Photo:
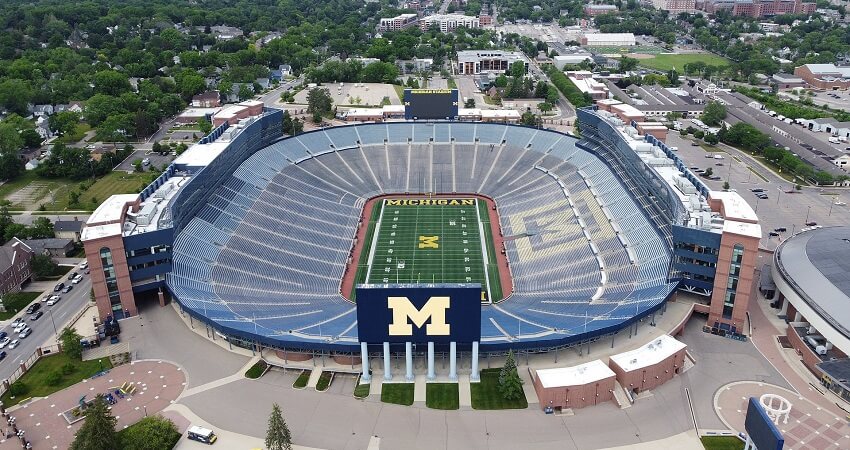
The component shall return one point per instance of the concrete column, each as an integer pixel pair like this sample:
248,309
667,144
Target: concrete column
453,360
388,375
408,359
797,316
431,374
474,375
364,362
784,311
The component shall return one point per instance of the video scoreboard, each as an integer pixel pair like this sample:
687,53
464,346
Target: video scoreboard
431,104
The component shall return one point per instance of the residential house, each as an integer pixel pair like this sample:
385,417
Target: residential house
209,99
282,71
53,247
264,83
68,229
15,265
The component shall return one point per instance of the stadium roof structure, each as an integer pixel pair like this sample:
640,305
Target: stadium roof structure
262,259
816,263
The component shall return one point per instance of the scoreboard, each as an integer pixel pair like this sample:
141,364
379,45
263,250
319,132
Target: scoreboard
419,313
431,104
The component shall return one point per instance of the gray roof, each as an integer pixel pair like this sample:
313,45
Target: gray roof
68,225
39,245
816,264
7,253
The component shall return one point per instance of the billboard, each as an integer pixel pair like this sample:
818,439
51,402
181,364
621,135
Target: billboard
431,104
439,313
760,429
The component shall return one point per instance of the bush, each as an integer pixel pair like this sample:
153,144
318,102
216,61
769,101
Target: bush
257,370
68,369
18,388
573,94
54,377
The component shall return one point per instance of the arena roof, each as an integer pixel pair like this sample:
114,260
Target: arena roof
817,262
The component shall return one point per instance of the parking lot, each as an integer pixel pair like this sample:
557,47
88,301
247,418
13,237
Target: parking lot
156,160
783,207
369,94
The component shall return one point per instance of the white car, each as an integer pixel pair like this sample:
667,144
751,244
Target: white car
5,342
840,204
25,332
77,280
14,344
84,265
19,326
54,299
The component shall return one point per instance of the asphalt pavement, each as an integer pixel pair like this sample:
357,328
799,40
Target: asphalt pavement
43,331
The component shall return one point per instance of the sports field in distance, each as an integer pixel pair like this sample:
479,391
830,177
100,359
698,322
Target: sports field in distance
431,240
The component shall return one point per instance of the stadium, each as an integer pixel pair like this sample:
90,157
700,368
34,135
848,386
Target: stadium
265,258
266,239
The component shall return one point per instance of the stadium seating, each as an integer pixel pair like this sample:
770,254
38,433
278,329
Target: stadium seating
267,252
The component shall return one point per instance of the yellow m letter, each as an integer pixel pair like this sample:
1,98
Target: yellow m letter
434,309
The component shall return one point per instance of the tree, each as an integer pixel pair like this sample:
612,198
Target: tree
544,107
711,139
31,138
291,126
530,119
709,172
41,228
98,429
277,434
63,122
42,266
245,92
510,384
10,139
111,82
501,81
319,101
204,125
628,64
517,69
151,433
725,185
713,114
469,103
71,343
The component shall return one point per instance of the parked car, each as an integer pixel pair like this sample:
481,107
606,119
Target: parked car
715,178
53,300
811,223
3,334
84,265
72,275
33,307
773,234
14,343
37,315
840,204
67,289
19,326
25,332
2,356
58,287
77,280
780,229
718,164
4,342
757,190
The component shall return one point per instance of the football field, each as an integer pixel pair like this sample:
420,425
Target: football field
431,240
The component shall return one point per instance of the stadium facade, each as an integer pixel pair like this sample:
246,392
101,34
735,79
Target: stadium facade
251,232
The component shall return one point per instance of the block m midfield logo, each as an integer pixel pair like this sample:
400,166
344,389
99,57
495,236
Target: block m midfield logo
404,312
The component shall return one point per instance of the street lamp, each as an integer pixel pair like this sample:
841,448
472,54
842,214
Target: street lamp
779,188
55,331
808,208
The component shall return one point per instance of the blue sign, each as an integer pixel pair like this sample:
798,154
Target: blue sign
761,430
419,313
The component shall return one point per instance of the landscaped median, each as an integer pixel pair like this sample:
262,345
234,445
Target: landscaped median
362,390
301,381
257,370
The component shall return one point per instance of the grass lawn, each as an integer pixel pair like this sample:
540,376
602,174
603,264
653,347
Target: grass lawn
17,301
124,434
442,396
362,390
485,394
399,90
59,272
397,393
450,83
80,131
665,62
257,370
36,379
324,381
301,381
116,182
721,443
36,192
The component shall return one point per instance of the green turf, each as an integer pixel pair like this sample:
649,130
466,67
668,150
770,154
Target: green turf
362,390
257,370
721,443
302,379
429,244
36,378
668,61
442,396
17,301
324,381
485,394
397,393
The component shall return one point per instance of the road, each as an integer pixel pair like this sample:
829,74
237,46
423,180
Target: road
43,333
792,136
272,97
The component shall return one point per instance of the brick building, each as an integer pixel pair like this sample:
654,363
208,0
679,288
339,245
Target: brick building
15,265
